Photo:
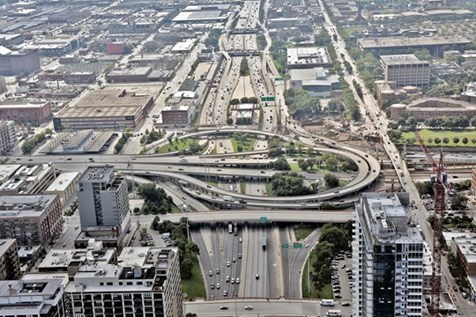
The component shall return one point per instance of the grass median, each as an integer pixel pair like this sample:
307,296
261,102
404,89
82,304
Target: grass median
194,287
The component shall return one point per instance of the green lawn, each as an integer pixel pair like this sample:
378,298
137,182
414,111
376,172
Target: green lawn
325,292
175,209
213,182
295,167
242,187
269,189
427,134
306,292
247,145
303,231
176,146
194,287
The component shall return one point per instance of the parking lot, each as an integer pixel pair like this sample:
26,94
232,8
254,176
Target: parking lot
342,277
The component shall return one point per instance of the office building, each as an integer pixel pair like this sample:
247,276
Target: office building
406,70
31,219
106,109
464,247
146,283
387,258
181,108
33,113
8,139
14,63
103,205
39,298
432,43
9,260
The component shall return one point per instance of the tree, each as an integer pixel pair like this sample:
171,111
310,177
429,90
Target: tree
186,267
455,140
234,101
446,140
281,164
465,140
244,68
303,164
331,180
229,121
239,148
473,141
336,236
289,184
244,100
459,202
424,188
429,140
437,140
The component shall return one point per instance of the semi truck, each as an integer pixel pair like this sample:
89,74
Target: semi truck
263,241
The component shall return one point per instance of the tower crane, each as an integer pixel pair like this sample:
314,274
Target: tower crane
440,187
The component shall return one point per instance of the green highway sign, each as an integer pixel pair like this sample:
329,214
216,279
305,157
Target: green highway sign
263,219
279,78
285,246
297,245
268,98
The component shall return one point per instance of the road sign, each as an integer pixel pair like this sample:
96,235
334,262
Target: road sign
279,78
297,245
267,98
285,246
263,219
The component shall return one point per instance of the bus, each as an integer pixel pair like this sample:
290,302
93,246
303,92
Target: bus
327,302
334,313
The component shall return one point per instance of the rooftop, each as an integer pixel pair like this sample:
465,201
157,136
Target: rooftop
401,59
61,258
5,244
467,246
24,205
107,103
62,181
307,55
96,174
27,289
368,43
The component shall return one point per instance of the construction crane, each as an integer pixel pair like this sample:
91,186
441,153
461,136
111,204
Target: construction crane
439,180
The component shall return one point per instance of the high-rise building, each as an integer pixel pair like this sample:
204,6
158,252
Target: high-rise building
406,70
8,139
146,283
387,258
103,206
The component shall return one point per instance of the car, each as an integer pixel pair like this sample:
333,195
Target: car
212,286
345,304
343,266
68,159
225,293
210,273
464,294
228,263
224,307
337,296
455,288
227,279
218,285
239,255
232,280
257,276
218,271
234,260
240,240
248,307
237,280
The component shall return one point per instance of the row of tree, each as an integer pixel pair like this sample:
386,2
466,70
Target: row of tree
451,122
236,101
120,144
151,136
30,144
333,239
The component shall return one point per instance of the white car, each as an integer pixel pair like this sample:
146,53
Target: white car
249,307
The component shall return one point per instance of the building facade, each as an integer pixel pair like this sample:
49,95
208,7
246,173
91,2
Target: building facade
34,113
14,63
387,258
406,70
8,139
31,219
28,179
9,260
146,284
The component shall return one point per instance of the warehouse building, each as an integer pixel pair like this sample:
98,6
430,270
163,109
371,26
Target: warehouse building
107,109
